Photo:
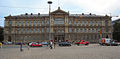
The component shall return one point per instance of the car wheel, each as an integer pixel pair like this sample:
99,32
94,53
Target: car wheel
86,44
78,44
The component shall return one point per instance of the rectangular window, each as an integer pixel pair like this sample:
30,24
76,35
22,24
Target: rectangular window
18,23
78,22
91,30
86,22
25,29
98,22
75,23
58,30
21,30
90,23
62,30
47,21
75,30
42,22
95,23
17,29
94,29
47,29
87,30
38,23
21,23
98,29
30,30
34,23
70,29
70,22
38,30
42,29
30,23
34,30
83,29
10,22
82,22
25,23
79,30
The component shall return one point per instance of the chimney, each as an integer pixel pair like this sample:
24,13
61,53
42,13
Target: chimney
90,14
26,13
31,13
38,13
82,13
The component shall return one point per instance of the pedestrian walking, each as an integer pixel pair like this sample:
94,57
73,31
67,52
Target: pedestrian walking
51,43
28,45
21,49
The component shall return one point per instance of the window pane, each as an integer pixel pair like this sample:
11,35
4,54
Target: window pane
38,23
42,22
75,30
70,29
86,22
83,30
47,21
74,22
47,29
34,23
25,29
78,22
79,30
38,30
70,22
34,30
42,29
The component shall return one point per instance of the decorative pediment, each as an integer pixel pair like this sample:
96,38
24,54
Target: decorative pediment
59,11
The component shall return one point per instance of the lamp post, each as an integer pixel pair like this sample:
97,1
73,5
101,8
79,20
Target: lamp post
49,2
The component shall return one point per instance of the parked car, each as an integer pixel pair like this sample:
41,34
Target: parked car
44,43
19,43
34,44
82,42
9,43
64,44
107,42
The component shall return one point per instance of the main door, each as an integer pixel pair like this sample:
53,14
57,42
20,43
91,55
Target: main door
59,38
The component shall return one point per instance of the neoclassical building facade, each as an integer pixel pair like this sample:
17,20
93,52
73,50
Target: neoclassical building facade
59,25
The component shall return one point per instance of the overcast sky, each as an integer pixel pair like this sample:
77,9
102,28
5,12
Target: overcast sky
99,7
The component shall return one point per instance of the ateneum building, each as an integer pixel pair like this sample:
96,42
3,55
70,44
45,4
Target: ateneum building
59,25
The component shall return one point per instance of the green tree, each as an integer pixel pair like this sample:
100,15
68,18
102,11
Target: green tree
116,31
1,34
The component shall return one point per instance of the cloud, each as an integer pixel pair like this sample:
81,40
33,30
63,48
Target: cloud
98,7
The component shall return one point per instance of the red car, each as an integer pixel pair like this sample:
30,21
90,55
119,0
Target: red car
82,42
34,44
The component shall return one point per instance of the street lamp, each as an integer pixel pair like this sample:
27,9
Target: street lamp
49,2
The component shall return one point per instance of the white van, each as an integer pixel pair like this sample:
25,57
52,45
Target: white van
107,42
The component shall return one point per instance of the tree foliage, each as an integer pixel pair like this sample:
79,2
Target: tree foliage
1,34
116,31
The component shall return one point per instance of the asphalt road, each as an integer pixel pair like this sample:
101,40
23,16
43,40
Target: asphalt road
93,51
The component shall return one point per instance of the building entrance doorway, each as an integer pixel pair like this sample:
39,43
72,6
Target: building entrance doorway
59,38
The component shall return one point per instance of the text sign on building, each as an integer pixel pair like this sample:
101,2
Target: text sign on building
59,21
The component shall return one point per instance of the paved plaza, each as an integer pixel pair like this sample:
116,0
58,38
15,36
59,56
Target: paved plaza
93,51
